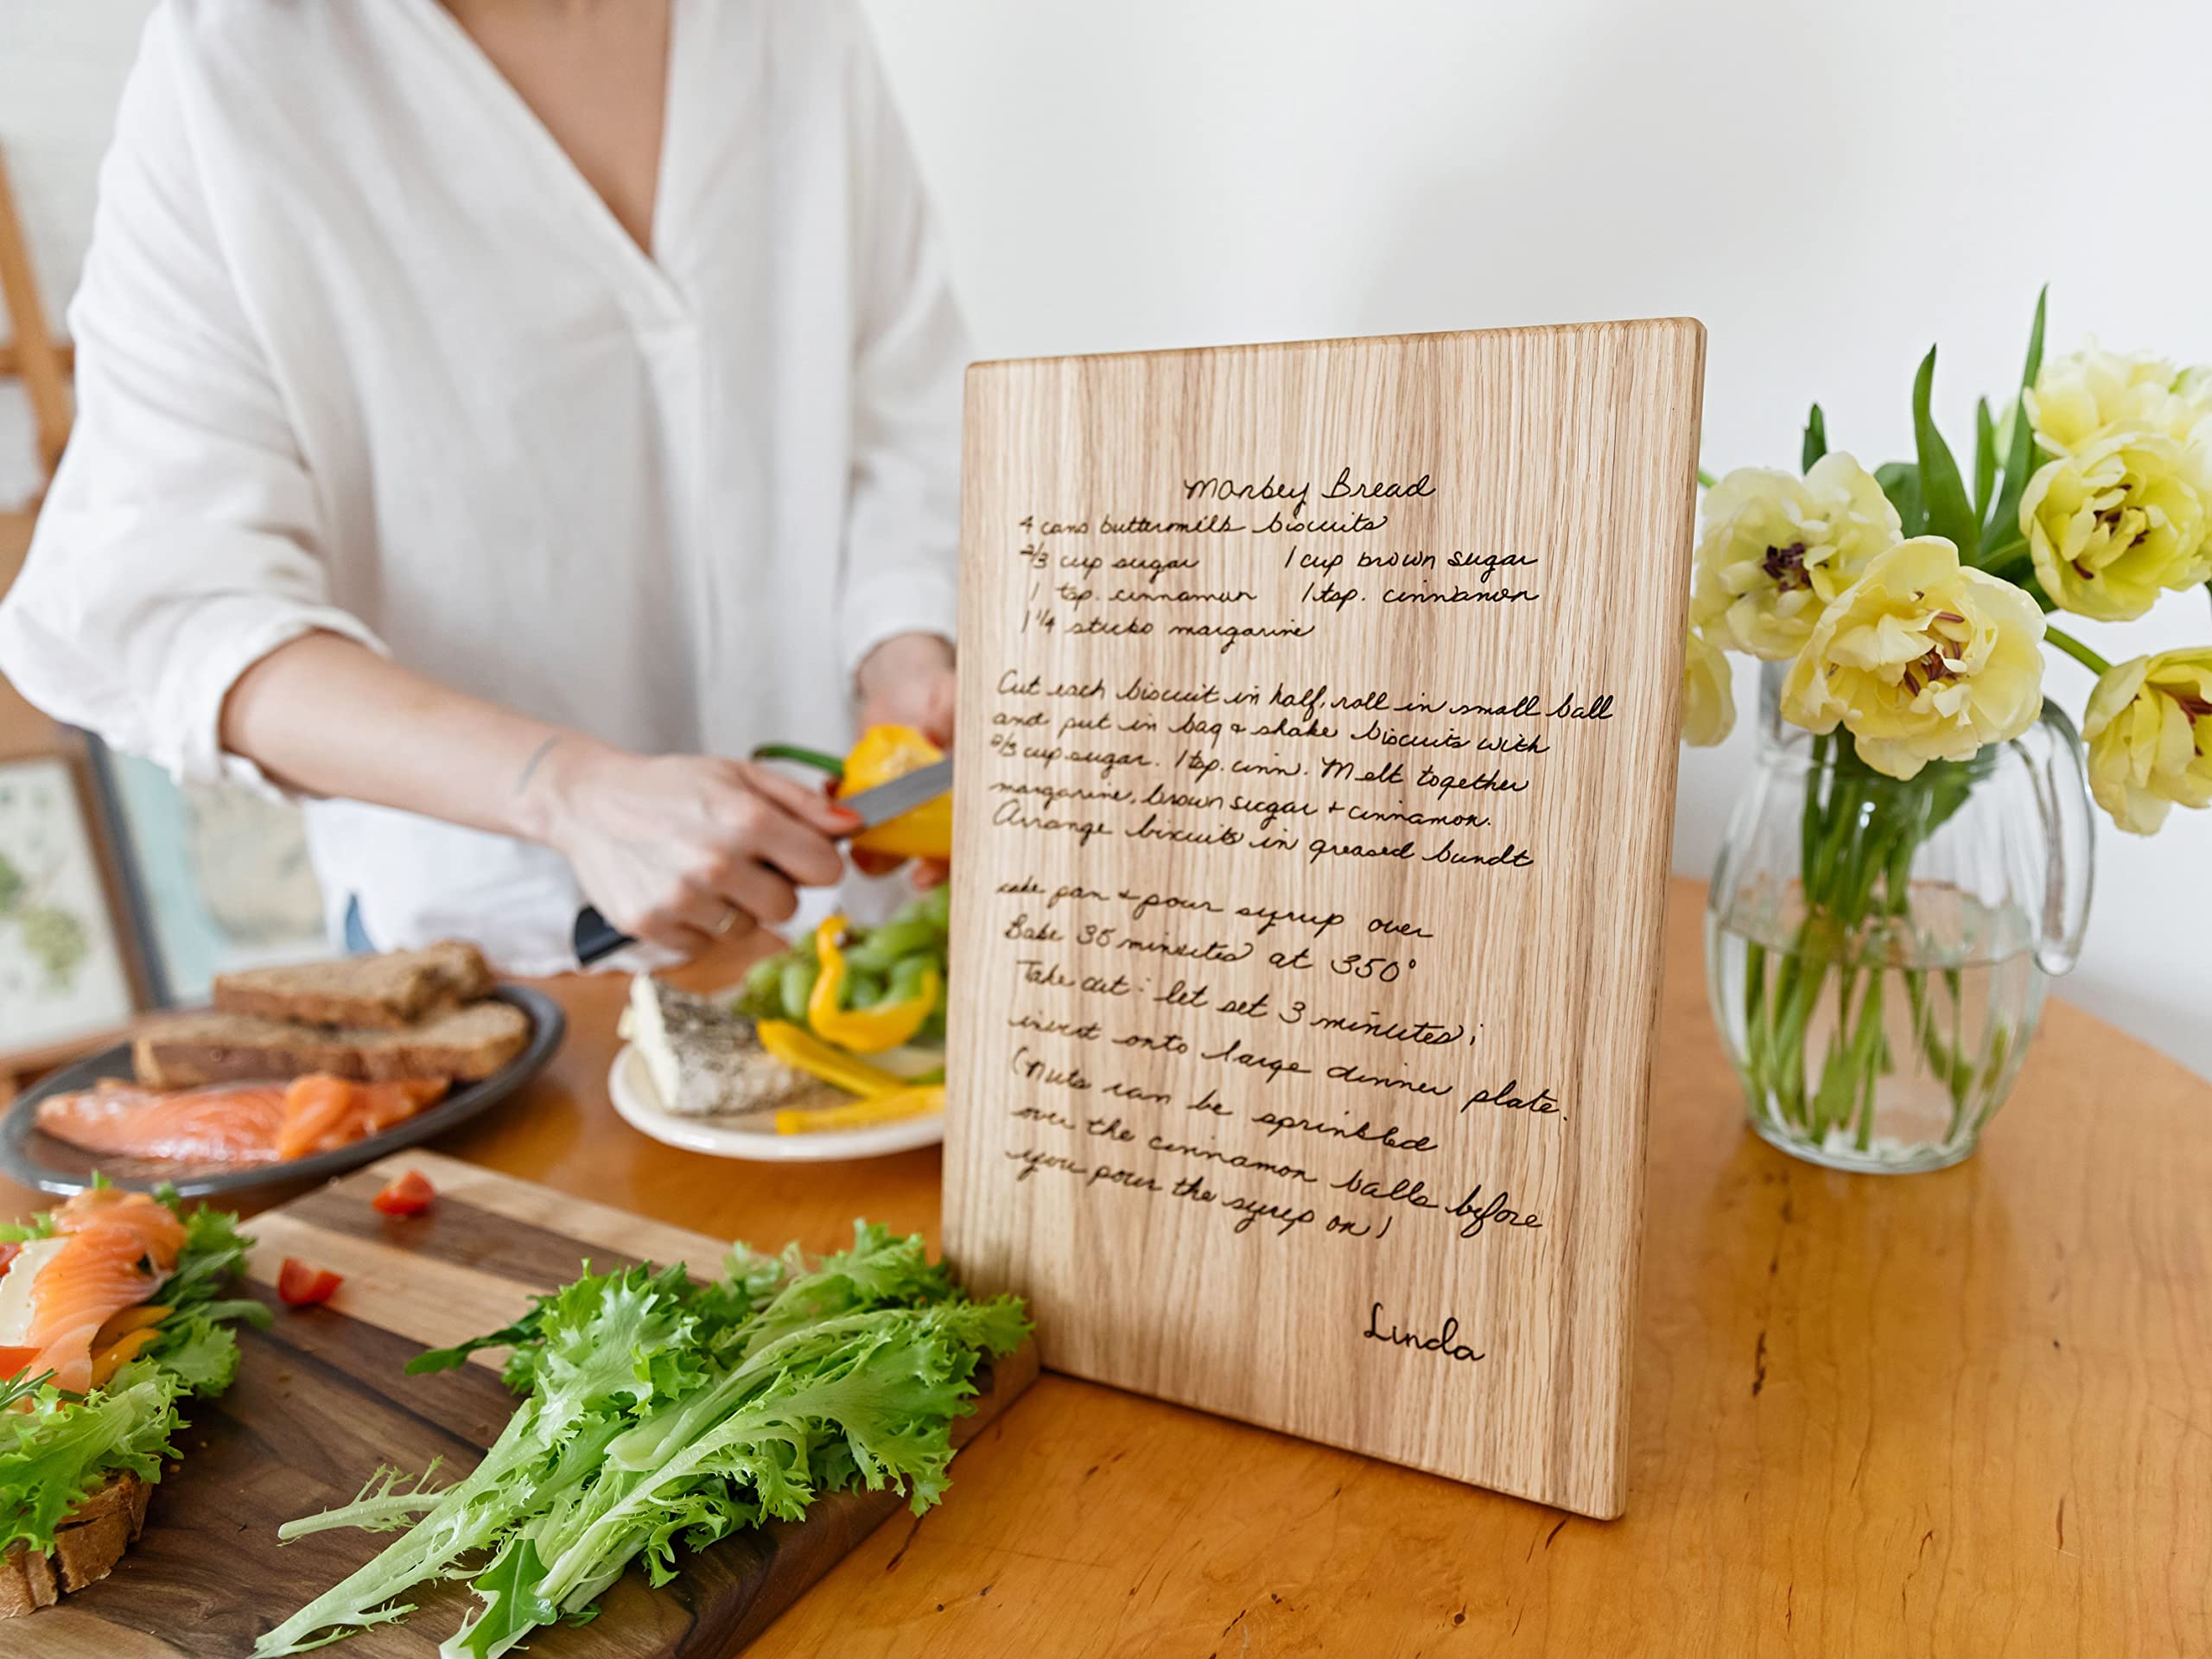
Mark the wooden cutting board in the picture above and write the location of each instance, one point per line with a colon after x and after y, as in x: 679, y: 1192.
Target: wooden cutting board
x: 321, y: 1400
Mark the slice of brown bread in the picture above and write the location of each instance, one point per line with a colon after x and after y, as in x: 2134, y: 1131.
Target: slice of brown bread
x: 388, y: 992
x: 87, y: 1546
x: 181, y: 1051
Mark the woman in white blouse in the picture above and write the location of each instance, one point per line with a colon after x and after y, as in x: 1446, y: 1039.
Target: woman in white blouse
x: 494, y: 415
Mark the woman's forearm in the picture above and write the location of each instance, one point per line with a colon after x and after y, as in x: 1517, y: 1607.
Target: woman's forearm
x: 676, y: 848
x: 328, y: 716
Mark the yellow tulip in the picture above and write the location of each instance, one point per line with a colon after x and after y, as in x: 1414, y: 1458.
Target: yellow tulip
x: 2081, y: 400
x: 1777, y: 550
x: 1708, y: 693
x: 1923, y: 659
x: 2113, y: 524
x: 2149, y: 728
x: 2193, y: 386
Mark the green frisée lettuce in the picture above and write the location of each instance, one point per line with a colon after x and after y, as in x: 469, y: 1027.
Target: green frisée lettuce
x: 56, y: 1448
x: 663, y: 1414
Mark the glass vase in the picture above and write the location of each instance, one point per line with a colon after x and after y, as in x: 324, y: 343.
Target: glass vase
x: 1877, y: 951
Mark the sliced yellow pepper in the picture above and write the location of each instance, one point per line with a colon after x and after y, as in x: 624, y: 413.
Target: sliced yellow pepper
x: 916, y: 1101
x: 796, y: 1046
x: 136, y: 1318
x: 864, y: 1031
x: 888, y: 751
x: 116, y: 1354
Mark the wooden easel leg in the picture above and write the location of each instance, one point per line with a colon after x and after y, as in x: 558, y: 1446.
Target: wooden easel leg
x: 36, y: 358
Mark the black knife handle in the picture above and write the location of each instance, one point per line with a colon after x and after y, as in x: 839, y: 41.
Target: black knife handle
x: 595, y: 937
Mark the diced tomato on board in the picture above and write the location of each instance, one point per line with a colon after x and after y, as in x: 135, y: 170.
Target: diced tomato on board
x: 406, y: 1194
x: 299, y: 1285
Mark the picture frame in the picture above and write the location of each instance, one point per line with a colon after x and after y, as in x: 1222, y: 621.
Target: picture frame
x: 215, y: 878
x: 66, y: 973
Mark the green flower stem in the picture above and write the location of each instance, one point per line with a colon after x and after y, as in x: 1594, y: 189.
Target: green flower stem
x: 2010, y: 561
x: 2073, y: 648
x: 1872, y: 1056
x: 1859, y: 837
x: 1706, y: 480
x: 1755, y: 1008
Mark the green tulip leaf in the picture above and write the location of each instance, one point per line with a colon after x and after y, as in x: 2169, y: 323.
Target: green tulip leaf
x: 1900, y: 481
x: 1816, y: 438
x: 1943, y: 492
x: 2020, y: 459
x: 1985, y: 459
x: 2035, y: 339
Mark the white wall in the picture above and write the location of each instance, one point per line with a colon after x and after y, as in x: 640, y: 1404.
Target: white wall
x: 1829, y: 186
x: 61, y: 68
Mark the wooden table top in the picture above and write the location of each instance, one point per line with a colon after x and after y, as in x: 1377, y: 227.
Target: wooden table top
x: 1961, y: 1414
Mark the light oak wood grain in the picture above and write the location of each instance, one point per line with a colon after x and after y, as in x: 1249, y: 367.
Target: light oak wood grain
x: 32, y: 354
x: 1574, y: 449
x: 11, y: 360
x: 24, y: 730
x: 1858, y: 1406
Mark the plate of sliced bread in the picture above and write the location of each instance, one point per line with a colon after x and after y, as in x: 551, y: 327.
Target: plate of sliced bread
x: 292, y: 1073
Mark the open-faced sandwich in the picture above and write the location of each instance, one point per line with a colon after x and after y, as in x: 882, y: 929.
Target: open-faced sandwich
x: 110, y: 1315
x: 296, y: 1060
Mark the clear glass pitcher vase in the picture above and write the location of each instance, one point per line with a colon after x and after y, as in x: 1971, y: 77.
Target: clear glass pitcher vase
x: 1877, y: 952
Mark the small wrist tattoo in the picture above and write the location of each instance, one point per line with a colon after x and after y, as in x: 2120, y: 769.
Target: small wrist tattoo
x: 530, y: 766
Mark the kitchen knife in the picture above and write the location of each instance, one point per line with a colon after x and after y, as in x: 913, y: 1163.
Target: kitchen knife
x: 595, y: 937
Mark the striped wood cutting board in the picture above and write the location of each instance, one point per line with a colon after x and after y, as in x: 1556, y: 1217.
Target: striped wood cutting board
x: 321, y: 1401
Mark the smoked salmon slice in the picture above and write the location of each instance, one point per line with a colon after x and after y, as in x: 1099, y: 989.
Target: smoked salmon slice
x: 227, y: 1123
x: 240, y: 1124
x: 115, y: 1249
x: 154, y: 1225
x: 321, y: 1113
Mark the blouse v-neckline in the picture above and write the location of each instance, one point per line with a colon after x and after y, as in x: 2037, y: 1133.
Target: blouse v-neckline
x: 643, y: 268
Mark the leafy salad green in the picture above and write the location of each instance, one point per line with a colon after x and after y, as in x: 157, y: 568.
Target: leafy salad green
x: 56, y: 1448
x: 661, y: 1411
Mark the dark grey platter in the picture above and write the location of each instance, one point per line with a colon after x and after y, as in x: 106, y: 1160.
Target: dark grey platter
x: 36, y: 1159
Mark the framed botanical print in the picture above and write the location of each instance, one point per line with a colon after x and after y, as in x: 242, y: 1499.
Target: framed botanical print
x: 63, y: 971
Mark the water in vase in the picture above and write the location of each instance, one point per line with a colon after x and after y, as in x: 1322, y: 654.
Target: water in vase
x: 1885, y: 1050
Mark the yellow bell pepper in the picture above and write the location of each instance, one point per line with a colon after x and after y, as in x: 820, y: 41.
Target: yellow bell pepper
x: 798, y: 1048
x: 864, y: 1031
x: 113, y: 1358
x: 917, y: 1102
x: 888, y: 751
x: 138, y: 1317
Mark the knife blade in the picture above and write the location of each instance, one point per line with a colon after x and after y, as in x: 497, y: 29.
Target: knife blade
x: 902, y: 794
x: 595, y: 937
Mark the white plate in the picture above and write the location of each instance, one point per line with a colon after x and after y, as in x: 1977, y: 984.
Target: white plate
x: 630, y: 1084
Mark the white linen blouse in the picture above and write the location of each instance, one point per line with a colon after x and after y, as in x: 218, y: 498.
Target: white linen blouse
x: 359, y: 349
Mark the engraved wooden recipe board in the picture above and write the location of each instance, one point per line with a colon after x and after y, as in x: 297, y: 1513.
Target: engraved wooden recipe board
x: 1315, y: 781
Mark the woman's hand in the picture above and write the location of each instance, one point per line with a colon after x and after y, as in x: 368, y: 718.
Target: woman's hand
x: 908, y: 680
x: 683, y: 849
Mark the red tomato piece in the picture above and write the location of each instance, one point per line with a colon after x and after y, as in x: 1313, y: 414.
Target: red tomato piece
x: 9, y: 1252
x: 406, y: 1194
x: 299, y: 1285
x: 14, y: 1361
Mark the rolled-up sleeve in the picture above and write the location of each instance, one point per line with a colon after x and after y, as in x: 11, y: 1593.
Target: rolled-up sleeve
x: 179, y: 542
x: 902, y: 551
